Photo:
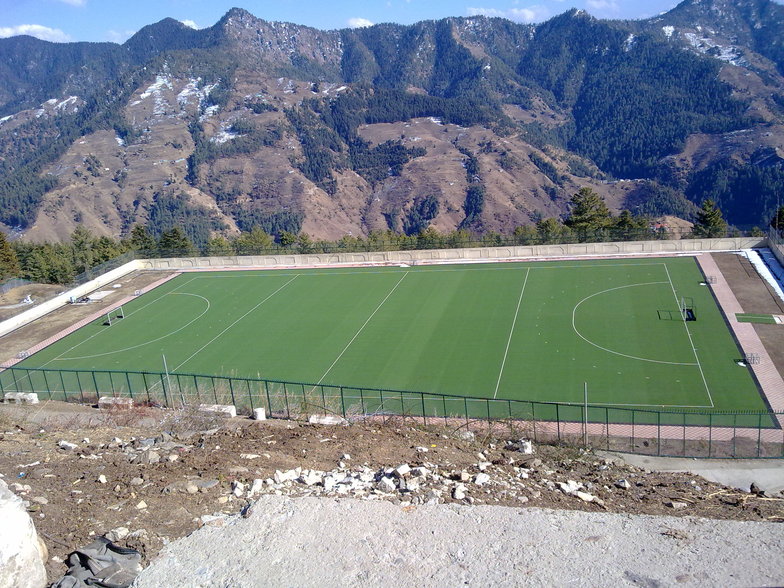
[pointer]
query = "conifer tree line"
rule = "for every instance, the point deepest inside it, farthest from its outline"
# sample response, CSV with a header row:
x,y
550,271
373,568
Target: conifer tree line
x,y
589,220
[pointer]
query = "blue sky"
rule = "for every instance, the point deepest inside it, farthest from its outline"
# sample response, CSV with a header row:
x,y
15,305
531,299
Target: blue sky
x,y
116,20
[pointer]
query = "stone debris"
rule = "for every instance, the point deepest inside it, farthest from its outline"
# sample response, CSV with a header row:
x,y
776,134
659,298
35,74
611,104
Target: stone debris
x,y
481,479
112,403
260,414
228,410
21,397
326,419
117,534
67,446
624,484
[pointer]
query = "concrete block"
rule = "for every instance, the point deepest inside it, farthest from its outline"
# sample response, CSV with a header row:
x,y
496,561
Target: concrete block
x,y
325,419
110,402
227,409
260,414
21,397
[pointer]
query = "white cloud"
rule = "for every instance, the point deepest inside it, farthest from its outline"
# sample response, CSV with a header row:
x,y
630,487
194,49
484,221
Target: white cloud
x,y
34,30
118,36
358,23
603,5
190,24
526,15
75,2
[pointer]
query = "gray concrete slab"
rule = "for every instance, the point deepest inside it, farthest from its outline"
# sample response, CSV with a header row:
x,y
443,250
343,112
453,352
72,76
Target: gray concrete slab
x,y
767,474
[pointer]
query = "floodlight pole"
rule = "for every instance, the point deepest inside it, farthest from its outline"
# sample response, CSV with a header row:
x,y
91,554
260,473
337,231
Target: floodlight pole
x,y
585,414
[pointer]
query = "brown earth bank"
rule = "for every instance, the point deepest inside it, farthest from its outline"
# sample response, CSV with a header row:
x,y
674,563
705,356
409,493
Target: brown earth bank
x,y
148,476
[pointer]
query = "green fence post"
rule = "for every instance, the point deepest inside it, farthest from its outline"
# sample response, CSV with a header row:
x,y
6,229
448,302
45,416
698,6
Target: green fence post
x,y
342,402
250,395
16,380
266,390
95,383
231,391
465,402
62,381
286,399
658,433
424,413
79,383
361,399
734,433
46,383
165,390
196,387
684,435
128,380
214,389
30,379
558,420
533,418
710,434
446,419
323,397
146,386
759,435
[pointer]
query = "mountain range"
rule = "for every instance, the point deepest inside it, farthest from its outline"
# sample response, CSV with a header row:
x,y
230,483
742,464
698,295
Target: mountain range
x,y
473,123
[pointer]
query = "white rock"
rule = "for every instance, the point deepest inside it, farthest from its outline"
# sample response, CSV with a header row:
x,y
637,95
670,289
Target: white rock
x,y
102,479
117,534
483,465
459,492
329,483
311,478
570,487
256,488
386,485
346,457
402,470
481,479
466,435
249,456
228,410
526,447
21,397
260,414
321,419
420,472
625,484
238,489
142,505
66,445
585,496
421,449
110,402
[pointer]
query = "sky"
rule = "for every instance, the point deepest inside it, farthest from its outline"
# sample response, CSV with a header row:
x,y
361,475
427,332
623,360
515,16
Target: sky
x,y
117,20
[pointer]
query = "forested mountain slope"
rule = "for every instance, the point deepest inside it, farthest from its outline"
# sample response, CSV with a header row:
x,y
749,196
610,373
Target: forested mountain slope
x,y
472,123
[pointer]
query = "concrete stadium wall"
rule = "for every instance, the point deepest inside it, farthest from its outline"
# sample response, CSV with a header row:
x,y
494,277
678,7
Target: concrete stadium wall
x,y
543,252
777,247
46,307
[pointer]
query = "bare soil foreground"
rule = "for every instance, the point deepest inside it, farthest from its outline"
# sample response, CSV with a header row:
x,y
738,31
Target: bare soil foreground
x,y
147,476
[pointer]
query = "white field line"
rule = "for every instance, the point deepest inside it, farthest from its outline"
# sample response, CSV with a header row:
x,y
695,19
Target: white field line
x,y
691,341
169,334
130,314
361,328
208,343
579,334
511,332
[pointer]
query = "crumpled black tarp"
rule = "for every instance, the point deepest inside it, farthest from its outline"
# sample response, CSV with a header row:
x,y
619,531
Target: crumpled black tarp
x,y
103,564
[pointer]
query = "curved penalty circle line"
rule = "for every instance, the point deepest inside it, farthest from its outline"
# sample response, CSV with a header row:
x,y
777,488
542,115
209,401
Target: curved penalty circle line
x,y
579,334
193,320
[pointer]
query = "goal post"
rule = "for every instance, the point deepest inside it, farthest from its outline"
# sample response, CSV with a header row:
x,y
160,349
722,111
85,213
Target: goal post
x,y
687,308
114,315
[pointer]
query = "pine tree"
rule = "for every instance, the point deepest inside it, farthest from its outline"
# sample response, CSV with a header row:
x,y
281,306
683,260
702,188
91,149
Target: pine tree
x,y
174,242
777,222
9,263
140,240
710,222
589,214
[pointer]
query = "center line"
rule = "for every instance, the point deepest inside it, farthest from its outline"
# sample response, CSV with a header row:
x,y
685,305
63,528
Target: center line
x,y
361,328
511,332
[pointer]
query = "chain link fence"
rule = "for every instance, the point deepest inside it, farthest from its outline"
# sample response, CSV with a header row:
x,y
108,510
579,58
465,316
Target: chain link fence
x,y
665,432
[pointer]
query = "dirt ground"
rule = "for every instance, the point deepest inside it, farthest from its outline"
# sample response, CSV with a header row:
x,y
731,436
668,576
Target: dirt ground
x,y
54,322
755,296
157,473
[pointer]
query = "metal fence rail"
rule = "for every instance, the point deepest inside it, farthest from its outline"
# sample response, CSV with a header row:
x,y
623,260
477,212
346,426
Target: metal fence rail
x,y
681,433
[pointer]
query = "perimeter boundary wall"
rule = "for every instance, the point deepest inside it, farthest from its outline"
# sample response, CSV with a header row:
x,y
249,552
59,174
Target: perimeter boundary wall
x,y
471,255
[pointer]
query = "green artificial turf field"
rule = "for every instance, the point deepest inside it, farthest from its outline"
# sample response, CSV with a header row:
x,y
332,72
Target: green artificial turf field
x,y
530,331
